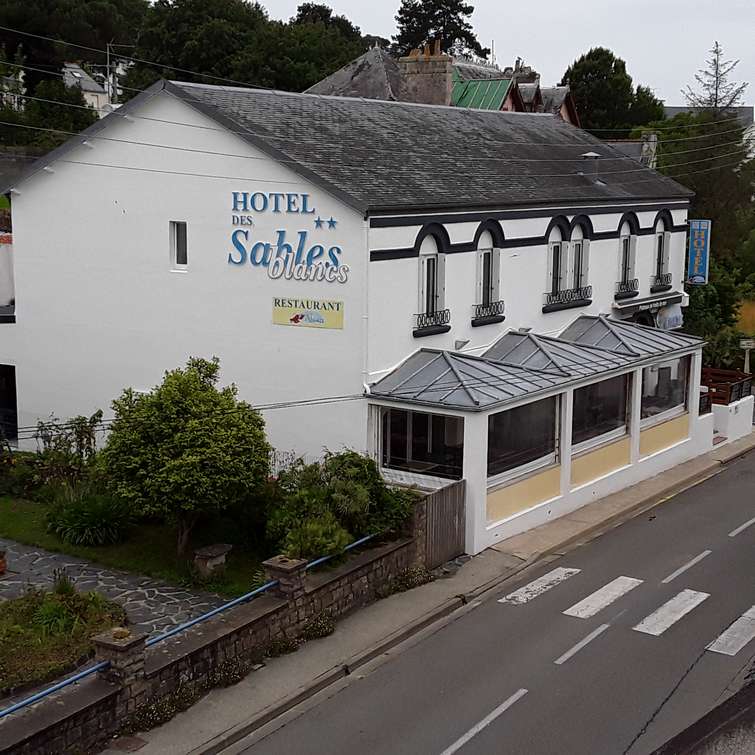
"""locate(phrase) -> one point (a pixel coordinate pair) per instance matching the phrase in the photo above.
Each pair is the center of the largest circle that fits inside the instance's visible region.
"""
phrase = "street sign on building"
(699, 252)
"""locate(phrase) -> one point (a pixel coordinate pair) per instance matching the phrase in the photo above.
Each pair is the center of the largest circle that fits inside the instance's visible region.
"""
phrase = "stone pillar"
(125, 651)
(290, 575)
(476, 476)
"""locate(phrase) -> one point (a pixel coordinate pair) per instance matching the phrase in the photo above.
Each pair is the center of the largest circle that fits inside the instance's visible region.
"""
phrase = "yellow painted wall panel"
(520, 496)
(593, 464)
(664, 435)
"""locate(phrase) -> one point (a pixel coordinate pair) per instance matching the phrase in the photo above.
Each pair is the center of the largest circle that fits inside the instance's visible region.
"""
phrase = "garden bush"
(84, 515)
(342, 497)
(316, 536)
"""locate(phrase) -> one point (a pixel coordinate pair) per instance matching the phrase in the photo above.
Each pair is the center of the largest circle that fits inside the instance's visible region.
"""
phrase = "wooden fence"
(445, 524)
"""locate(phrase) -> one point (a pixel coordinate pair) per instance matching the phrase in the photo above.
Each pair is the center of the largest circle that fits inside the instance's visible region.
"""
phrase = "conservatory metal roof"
(524, 364)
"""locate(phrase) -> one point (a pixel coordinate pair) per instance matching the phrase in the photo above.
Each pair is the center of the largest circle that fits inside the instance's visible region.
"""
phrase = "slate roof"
(745, 114)
(525, 364)
(394, 156)
(374, 75)
(553, 98)
(75, 76)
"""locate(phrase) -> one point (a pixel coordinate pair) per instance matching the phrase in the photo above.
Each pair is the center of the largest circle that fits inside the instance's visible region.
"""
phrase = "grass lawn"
(150, 549)
(46, 634)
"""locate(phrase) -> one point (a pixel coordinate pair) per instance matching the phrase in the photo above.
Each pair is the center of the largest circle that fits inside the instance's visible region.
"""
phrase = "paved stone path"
(151, 604)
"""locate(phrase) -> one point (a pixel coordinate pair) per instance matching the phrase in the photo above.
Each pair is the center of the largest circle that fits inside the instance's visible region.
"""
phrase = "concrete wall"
(99, 306)
(733, 421)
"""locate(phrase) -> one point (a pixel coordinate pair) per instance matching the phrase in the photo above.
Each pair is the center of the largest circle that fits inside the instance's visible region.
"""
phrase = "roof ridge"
(536, 339)
(466, 388)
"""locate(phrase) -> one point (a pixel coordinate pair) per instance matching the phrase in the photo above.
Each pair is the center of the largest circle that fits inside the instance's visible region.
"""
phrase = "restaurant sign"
(308, 313)
(699, 252)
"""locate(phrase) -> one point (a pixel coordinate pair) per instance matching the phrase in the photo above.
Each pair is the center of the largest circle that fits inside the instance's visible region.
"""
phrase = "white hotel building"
(462, 294)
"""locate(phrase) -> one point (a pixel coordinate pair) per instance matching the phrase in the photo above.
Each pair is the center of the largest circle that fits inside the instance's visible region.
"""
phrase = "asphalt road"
(611, 676)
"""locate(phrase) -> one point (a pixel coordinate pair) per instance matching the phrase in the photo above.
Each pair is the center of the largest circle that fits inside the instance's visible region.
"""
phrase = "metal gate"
(445, 524)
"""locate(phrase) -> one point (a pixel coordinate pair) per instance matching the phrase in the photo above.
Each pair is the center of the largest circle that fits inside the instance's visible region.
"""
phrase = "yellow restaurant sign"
(308, 313)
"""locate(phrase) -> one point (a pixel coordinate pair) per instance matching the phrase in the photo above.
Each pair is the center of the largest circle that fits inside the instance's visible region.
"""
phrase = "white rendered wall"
(733, 421)
(98, 307)
(523, 281)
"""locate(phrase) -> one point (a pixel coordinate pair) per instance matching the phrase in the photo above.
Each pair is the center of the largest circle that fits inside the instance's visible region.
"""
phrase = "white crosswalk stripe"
(603, 597)
(670, 612)
(539, 586)
(739, 634)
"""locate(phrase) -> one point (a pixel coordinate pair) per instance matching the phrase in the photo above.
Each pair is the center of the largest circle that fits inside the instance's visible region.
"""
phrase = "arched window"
(661, 274)
(557, 261)
(580, 258)
(488, 271)
(628, 285)
(431, 277)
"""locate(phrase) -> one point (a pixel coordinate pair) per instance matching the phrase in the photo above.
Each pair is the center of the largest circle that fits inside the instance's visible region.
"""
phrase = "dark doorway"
(644, 318)
(8, 408)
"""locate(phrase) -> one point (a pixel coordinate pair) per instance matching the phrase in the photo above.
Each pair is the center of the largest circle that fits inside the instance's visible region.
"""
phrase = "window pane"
(599, 408)
(179, 239)
(487, 278)
(556, 279)
(625, 260)
(435, 447)
(577, 265)
(659, 258)
(664, 386)
(431, 284)
(522, 435)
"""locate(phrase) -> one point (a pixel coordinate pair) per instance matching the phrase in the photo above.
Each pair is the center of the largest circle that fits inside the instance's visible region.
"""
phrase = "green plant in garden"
(344, 489)
(67, 449)
(186, 449)
(85, 515)
(316, 536)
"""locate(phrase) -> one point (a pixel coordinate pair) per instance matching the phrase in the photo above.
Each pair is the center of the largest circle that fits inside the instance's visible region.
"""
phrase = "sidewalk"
(226, 715)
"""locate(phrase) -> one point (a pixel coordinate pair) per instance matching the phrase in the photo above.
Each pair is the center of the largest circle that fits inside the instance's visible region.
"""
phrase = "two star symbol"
(319, 222)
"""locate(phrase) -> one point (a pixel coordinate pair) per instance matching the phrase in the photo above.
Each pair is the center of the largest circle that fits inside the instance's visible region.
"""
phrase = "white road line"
(602, 597)
(539, 586)
(670, 612)
(477, 728)
(742, 528)
(688, 565)
(590, 637)
(739, 634)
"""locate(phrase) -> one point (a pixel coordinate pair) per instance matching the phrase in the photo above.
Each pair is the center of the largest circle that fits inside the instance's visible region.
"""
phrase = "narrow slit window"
(556, 271)
(179, 251)
(578, 263)
(431, 285)
(626, 260)
(487, 278)
(659, 258)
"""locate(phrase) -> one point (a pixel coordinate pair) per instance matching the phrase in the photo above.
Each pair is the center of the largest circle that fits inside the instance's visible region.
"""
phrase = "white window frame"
(659, 419)
(440, 278)
(631, 239)
(662, 246)
(583, 278)
(600, 440)
(175, 265)
(563, 272)
(495, 275)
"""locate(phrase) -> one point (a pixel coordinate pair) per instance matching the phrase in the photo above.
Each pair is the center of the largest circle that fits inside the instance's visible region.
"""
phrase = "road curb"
(445, 609)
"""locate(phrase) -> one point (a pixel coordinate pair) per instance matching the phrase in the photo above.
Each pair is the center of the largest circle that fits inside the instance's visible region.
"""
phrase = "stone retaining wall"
(82, 717)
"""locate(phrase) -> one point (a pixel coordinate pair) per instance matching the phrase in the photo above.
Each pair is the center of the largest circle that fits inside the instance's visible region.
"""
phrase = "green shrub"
(317, 536)
(62, 583)
(20, 475)
(83, 515)
(53, 617)
(346, 486)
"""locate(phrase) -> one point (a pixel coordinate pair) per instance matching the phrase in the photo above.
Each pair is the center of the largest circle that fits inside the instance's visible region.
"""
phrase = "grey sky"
(663, 42)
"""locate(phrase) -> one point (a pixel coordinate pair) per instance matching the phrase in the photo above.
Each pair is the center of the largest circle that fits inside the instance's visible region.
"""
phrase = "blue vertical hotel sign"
(699, 252)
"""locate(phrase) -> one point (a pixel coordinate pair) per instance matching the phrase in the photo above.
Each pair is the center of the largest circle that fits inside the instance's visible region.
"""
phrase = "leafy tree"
(92, 23)
(715, 91)
(187, 448)
(604, 94)
(422, 21)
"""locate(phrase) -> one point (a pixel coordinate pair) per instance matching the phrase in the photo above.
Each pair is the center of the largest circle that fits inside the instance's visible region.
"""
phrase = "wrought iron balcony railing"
(569, 296)
(627, 288)
(439, 318)
(660, 282)
(492, 309)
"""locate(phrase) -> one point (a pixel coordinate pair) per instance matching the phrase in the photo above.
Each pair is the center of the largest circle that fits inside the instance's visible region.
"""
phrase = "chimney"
(592, 164)
(649, 154)
(427, 75)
